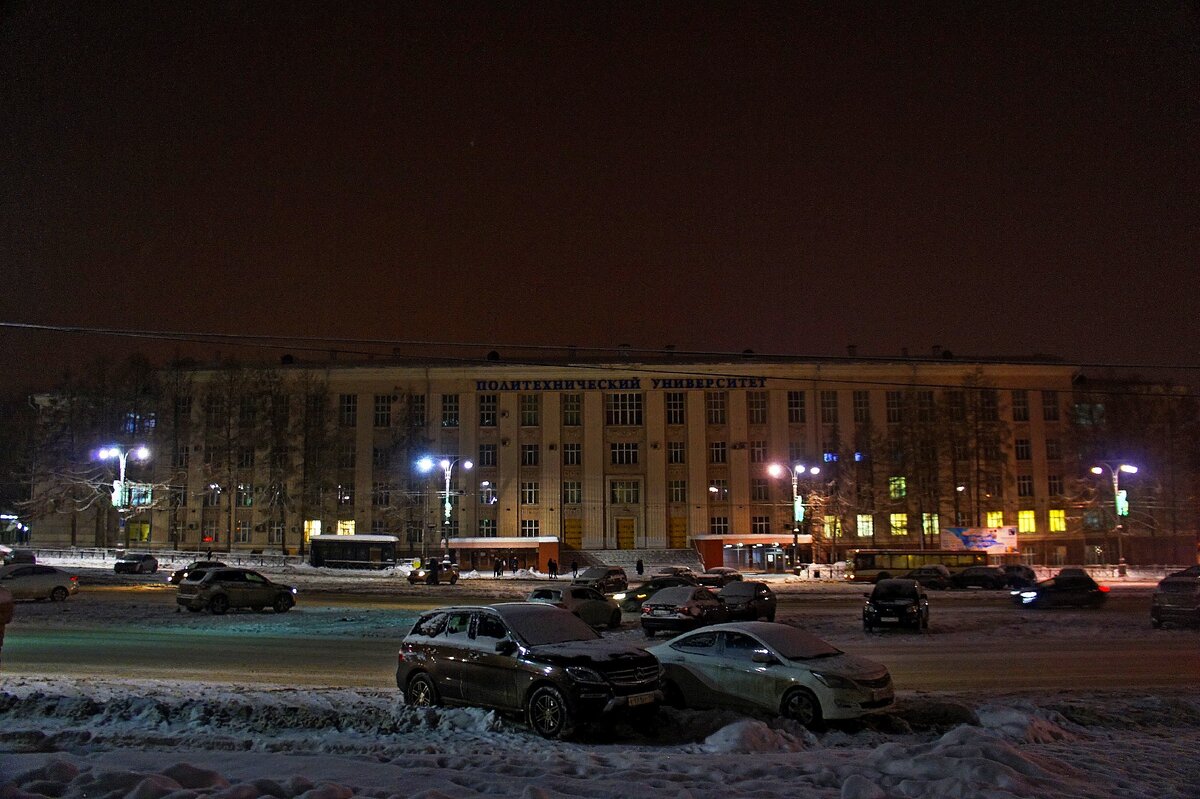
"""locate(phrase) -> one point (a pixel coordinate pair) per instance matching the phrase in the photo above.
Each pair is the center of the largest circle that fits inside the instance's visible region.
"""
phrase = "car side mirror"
(763, 657)
(506, 646)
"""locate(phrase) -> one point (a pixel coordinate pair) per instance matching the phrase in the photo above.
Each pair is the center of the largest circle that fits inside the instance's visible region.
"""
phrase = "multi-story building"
(619, 454)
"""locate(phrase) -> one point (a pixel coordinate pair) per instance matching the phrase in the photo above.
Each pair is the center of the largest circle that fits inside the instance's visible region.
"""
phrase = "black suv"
(605, 579)
(936, 576)
(528, 658)
(896, 601)
(749, 600)
(1176, 600)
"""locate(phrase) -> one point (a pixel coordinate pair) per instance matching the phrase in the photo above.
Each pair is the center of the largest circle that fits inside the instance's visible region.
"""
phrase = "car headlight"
(1028, 594)
(835, 681)
(584, 674)
(619, 597)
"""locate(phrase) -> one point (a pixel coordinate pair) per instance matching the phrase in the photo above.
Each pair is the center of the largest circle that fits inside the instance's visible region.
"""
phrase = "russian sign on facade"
(994, 540)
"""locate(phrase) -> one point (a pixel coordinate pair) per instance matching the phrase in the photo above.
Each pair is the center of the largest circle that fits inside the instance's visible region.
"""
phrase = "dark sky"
(1006, 179)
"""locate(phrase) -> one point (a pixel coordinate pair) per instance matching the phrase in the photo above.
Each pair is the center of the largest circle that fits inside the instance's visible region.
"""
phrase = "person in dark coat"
(552, 569)
(498, 568)
(641, 567)
(574, 569)
(513, 564)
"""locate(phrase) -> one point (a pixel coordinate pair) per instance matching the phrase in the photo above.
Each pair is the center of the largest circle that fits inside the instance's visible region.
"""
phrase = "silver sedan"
(35, 581)
(773, 668)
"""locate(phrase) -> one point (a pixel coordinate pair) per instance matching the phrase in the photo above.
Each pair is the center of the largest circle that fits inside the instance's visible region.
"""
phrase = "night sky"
(1008, 179)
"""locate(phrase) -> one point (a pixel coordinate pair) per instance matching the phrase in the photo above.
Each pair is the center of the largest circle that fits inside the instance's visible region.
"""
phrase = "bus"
(353, 551)
(869, 565)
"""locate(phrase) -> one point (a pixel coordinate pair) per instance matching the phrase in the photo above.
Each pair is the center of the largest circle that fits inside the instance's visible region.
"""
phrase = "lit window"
(898, 523)
(929, 523)
(1026, 522)
(1058, 521)
(864, 525)
(897, 487)
(995, 518)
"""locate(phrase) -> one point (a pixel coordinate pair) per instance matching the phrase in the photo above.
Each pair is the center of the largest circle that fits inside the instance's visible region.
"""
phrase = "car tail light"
(684, 609)
(646, 609)
(1103, 588)
(75, 579)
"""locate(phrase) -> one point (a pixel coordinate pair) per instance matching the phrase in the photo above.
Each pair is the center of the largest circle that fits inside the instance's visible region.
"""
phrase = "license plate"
(641, 699)
(889, 618)
(661, 612)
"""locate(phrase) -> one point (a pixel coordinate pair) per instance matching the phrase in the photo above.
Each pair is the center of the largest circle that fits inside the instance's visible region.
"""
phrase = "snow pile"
(152, 739)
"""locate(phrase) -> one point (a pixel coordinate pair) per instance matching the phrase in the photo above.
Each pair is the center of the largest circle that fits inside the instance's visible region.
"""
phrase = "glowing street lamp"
(796, 471)
(119, 494)
(426, 464)
(1120, 503)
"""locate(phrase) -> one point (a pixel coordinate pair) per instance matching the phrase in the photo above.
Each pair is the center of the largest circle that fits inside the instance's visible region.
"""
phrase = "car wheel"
(421, 692)
(218, 604)
(548, 713)
(59, 594)
(800, 704)
(283, 603)
(614, 621)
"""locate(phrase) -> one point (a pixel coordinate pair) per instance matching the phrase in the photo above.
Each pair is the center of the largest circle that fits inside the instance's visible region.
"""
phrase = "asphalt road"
(133, 632)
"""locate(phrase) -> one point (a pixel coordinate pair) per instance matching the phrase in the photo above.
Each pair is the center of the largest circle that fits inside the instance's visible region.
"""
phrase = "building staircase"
(652, 559)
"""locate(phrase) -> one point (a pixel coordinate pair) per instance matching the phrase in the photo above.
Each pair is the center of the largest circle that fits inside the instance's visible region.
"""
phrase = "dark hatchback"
(896, 601)
(1176, 600)
(936, 576)
(1065, 590)
(980, 577)
(631, 599)
(525, 658)
(749, 600)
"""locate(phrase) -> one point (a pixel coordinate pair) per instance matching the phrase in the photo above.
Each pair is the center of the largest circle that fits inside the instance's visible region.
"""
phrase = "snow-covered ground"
(99, 738)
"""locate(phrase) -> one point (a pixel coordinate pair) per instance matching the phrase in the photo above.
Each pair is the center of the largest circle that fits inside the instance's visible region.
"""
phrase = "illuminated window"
(345, 527)
(897, 487)
(1026, 521)
(929, 523)
(245, 495)
(864, 525)
(1058, 521)
(899, 523)
(995, 518)
(833, 526)
(718, 490)
(345, 494)
(487, 493)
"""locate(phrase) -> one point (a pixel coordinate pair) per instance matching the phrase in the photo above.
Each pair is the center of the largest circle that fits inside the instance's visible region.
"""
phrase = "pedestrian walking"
(641, 567)
(498, 568)
(513, 564)
(552, 569)
(574, 569)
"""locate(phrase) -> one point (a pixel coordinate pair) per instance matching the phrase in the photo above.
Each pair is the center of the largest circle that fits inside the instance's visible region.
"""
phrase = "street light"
(447, 466)
(798, 469)
(119, 494)
(1119, 504)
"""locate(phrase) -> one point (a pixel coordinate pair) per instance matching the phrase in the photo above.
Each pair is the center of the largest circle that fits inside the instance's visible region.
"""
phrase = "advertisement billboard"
(994, 540)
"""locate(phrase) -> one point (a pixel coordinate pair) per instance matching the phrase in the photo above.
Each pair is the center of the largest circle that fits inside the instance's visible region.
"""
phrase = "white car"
(773, 668)
(35, 581)
(586, 603)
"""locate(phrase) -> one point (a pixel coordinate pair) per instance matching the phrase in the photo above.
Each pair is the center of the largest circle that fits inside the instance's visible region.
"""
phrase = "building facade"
(534, 460)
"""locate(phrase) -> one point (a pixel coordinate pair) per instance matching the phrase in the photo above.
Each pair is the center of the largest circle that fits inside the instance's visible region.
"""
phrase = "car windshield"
(675, 595)
(795, 644)
(738, 589)
(538, 625)
(892, 589)
(593, 573)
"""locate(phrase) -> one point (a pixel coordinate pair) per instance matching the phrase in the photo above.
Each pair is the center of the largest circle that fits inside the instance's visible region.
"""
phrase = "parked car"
(586, 603)
(224, 588)
(936, 577)
(1071, 590)
(631, 599)
(176, 576)
(136, 563)
(682, 608)
(1019, 575)
(749, 600)
(980, 577)
(675, 571)
(718, 577)
(12, 556)
(1072, 571)
(772, 668)
(36, 581)
(605, 579)
(528, 658)
(1176, 599)
(898, 601)
(434, 573)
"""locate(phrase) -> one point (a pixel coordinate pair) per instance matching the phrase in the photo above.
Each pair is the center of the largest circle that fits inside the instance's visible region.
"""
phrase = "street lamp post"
(120, 493)
(1114, 469)
(447, 465)
(797, 469)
